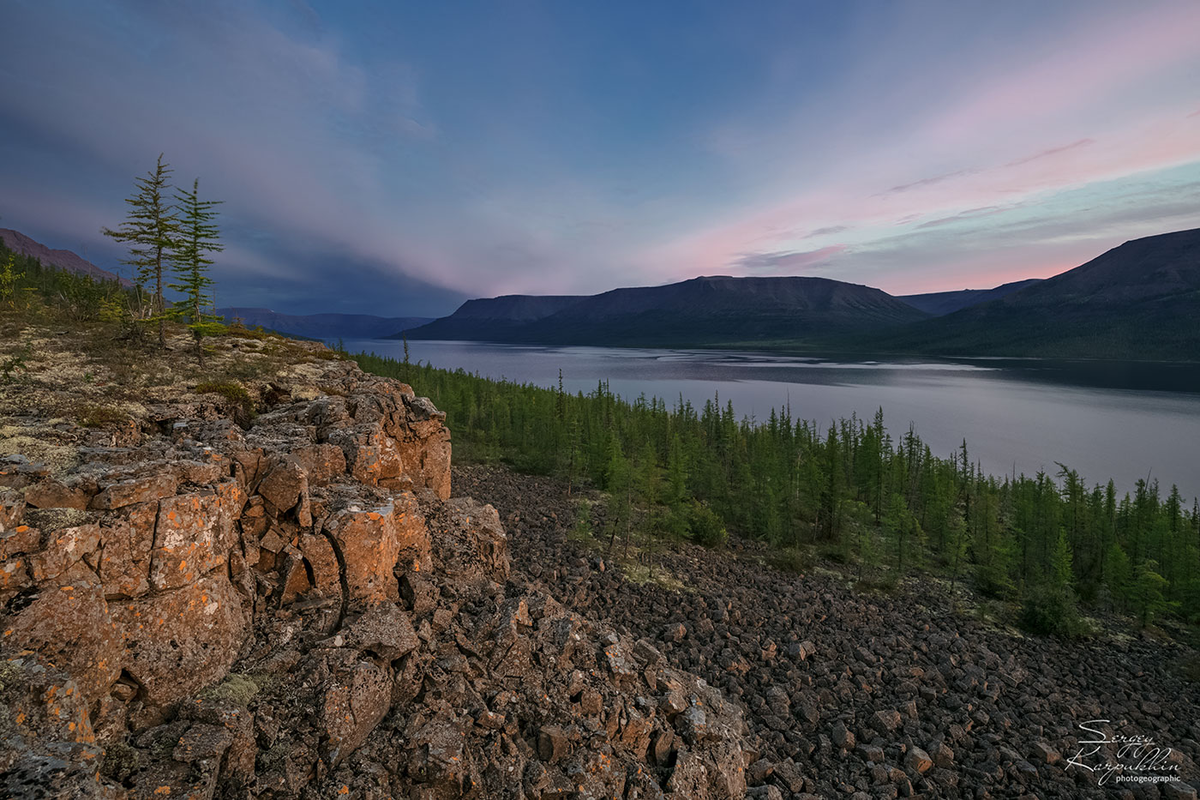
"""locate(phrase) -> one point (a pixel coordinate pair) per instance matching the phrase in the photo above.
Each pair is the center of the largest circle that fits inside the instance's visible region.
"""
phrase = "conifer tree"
(899, 524)
(619, 483)
(198, 236)
(8, 280)
(1147, 592)
(1119, 574)
(150, 229)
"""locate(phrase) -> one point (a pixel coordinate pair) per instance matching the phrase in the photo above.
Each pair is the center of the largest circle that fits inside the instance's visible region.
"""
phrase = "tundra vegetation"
(887, 507)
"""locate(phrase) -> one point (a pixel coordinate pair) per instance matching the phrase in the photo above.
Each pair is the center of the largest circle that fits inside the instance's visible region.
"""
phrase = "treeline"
(28, 286)
(849, 489)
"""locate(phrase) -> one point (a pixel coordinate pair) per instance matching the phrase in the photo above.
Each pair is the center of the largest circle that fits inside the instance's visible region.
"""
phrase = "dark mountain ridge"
(942, 303)
(493, 318)
(1138, 301)
(697, 312)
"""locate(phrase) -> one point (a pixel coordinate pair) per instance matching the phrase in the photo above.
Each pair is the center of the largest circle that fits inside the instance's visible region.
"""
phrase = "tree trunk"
(158, 301)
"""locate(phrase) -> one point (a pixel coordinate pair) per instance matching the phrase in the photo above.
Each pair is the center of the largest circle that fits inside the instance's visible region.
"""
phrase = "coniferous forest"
(887, 506)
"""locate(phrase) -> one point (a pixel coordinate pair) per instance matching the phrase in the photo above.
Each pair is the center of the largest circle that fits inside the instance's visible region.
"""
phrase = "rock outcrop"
(295, 607)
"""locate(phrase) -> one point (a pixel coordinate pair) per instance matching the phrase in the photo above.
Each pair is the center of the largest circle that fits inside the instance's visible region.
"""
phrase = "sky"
(396, 158)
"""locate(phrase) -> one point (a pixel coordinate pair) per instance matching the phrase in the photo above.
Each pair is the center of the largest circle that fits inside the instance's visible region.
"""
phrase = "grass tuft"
(235, 393)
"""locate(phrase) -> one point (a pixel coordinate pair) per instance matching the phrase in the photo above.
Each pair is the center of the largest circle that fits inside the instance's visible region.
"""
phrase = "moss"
(235, 393)
(237, 688)
(10, 674)
(48, 520)
(120, 761)
(95, 416)
(275, 757)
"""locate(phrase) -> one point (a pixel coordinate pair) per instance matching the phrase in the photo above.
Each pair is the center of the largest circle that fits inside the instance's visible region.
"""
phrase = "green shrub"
(1051, 610)
(706, 527)
(792, 559)
(235, 393)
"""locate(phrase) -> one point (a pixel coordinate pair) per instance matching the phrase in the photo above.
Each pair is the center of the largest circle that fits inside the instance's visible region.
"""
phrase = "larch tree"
(151, 228)
(198, 236)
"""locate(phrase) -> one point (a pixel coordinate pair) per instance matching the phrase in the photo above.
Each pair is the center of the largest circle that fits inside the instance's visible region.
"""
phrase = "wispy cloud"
(1053, 151)
(787, 261)
(827, 231)
(970, 213)
(923, 182)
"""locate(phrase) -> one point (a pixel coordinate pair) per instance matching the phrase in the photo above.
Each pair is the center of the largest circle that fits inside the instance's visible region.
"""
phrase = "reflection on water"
(1106, 419)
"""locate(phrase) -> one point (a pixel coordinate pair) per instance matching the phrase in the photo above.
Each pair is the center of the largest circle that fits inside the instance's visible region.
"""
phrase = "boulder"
(383, 631)
(12, 509)
(285, 488)
(67, 622)
(918, 760)
(136, 490)
(53, 494)
(183, 640)
(193, 535)
(355, 699)
(369, 543)
(126, 544)
(469, 544)
(322, 463)
(322, 561)
(62, 549)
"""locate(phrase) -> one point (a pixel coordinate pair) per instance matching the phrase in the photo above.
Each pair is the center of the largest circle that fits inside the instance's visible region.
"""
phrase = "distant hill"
(323, 326)
(59, 259)
(494, 318)
(705, 311)
(1140, 301)
(941, 303)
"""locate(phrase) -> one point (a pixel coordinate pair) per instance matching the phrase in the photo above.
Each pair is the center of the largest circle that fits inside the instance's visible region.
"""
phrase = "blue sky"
(395, 158)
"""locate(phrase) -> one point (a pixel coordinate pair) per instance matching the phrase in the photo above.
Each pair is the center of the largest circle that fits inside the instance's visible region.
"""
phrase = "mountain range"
(941, 303)
(700, 312)
(59, 259)
(1139, 301)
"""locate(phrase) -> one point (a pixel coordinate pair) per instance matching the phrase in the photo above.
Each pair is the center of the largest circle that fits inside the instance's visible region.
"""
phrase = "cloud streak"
(924, 182)
(787, 261)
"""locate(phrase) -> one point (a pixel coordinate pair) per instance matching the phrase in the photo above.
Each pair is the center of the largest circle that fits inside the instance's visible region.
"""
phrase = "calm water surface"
(1106, 419)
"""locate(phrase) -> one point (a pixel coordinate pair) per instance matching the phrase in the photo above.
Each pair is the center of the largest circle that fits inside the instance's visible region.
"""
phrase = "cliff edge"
(254, 583)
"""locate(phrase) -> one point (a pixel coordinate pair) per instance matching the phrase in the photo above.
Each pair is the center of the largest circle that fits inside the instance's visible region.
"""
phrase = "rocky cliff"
(263, 589)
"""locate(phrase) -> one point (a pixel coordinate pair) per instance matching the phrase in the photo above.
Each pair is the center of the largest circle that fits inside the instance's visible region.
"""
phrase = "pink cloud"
(1143, 145)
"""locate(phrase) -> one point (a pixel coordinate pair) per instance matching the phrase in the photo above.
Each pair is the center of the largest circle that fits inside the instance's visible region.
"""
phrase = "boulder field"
(203, 602)
(863, 695)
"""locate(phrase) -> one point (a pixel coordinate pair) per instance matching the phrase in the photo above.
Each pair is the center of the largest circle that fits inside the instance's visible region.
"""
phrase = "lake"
(1119, 420)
